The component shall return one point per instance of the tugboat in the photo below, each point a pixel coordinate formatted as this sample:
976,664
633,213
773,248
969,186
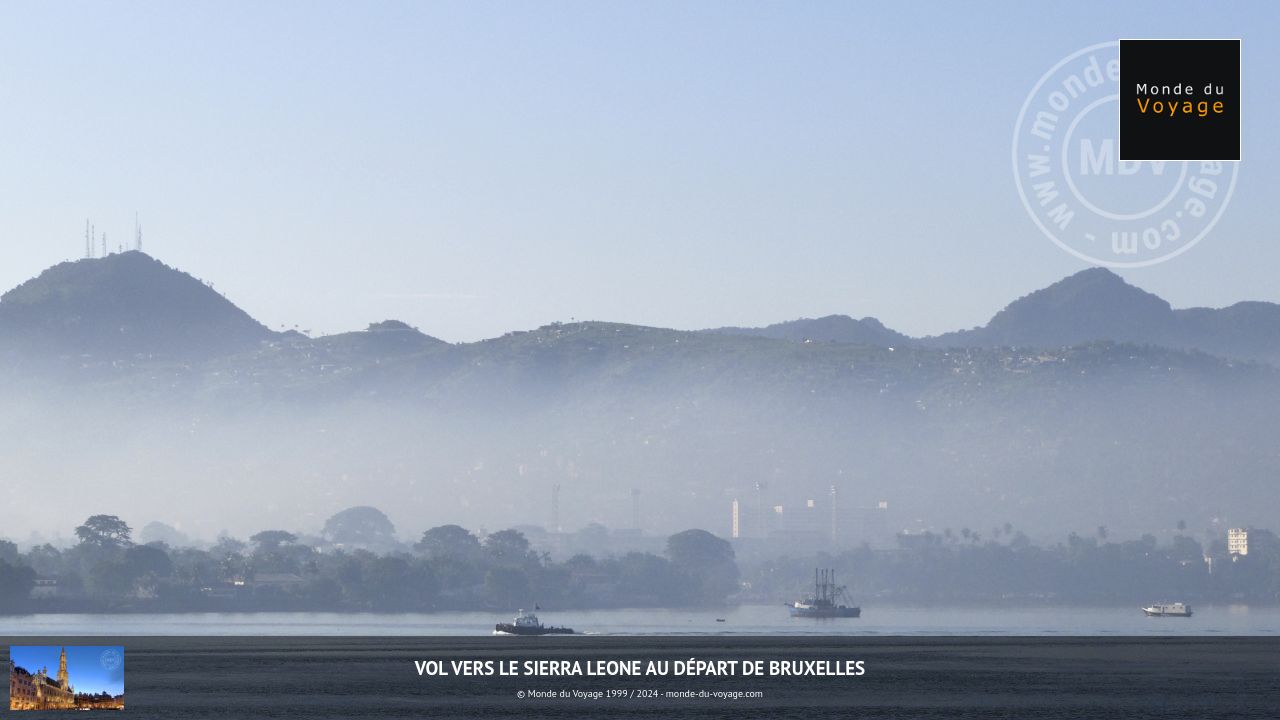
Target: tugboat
1168,610
526,623
825,600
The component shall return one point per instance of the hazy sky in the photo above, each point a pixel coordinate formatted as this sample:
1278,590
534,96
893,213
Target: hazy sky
473,168
86,669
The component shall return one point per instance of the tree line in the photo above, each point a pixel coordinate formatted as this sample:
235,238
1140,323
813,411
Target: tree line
357,564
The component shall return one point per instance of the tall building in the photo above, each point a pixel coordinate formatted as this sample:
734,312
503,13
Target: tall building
1238,541
63,680
38,691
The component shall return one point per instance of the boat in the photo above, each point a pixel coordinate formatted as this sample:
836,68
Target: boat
827,601
1167,610
526,623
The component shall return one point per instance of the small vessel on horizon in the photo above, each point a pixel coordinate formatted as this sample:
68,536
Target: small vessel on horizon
825,602
526,623
1167,610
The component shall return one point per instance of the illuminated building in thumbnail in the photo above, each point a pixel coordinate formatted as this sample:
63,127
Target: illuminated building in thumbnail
41,691
38,691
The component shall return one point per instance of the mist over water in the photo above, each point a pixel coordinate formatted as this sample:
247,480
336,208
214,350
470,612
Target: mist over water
636,426
886,453
748,620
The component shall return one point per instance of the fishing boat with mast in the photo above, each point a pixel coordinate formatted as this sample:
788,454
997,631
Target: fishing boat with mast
828,600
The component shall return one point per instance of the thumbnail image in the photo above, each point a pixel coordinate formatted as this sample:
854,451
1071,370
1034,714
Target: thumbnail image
88,677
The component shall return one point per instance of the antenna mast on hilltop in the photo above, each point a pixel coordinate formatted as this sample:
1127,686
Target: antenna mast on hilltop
88,240
137,233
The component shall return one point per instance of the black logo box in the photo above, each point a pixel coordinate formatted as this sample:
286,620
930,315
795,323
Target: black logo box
1185,67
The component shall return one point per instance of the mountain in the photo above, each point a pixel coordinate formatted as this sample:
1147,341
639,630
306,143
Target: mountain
1006,423
1249,330
832,328
479,434
1097,305
389,337
1094,305
1091,305
122,306
129,304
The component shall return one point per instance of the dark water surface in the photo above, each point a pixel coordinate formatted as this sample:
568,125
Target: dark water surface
941,677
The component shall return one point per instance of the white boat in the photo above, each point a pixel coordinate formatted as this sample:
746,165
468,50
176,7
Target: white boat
1168,610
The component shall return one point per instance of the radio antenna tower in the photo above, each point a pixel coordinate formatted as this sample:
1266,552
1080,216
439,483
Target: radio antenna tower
88,241
137,233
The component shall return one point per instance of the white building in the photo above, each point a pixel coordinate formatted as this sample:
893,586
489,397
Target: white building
1238,541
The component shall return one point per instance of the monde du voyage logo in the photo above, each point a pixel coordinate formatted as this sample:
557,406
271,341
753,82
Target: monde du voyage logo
1124,152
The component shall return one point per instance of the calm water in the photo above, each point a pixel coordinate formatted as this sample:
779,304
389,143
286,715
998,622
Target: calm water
744,620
